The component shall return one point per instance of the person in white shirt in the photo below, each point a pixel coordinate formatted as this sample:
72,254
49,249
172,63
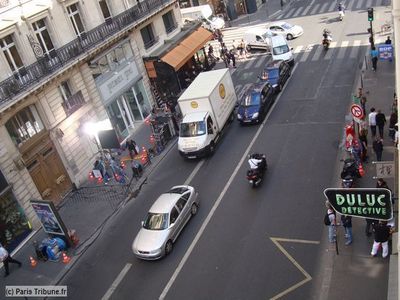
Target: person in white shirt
372,121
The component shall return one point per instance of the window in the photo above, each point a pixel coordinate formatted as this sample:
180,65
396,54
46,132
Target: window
210,125
73,13
10,51
148,36
24,125
169,22
71,102
105,10
182,202
65,90
173,216
43,36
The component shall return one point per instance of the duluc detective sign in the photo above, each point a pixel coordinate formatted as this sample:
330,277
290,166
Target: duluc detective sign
364,203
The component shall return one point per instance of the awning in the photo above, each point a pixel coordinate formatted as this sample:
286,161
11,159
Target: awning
178,56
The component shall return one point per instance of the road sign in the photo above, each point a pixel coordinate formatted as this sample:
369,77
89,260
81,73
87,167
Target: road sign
385,52
357,111
384,169
363,203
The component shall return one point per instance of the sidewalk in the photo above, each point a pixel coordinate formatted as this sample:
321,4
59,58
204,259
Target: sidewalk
99,201
354,269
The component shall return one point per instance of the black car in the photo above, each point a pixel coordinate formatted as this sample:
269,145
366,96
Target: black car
276,72
255,103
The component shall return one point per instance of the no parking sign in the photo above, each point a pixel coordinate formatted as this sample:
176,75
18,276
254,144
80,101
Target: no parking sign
357,112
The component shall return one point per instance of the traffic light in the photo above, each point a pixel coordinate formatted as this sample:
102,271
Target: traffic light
370,14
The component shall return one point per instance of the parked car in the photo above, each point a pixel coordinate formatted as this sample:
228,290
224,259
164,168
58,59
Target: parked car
255,103
288,30
164,222
276,72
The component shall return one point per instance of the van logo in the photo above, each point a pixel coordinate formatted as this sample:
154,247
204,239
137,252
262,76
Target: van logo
194,104
222,91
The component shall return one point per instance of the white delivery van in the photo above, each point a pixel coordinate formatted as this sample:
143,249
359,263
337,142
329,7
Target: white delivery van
258,38
280,49
206,105
205,14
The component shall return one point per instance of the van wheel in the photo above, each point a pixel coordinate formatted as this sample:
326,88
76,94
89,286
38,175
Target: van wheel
168,247
289,36
212,148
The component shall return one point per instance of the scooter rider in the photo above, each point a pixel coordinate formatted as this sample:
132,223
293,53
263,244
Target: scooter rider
341,8
256,162
327,35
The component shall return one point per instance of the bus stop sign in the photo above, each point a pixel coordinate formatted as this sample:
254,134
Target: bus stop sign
363,203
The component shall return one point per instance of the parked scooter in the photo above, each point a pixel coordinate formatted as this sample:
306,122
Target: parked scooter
350,172
258,165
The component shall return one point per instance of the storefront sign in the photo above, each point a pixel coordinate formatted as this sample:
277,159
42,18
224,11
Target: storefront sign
364,203
49,217
385,52
120,80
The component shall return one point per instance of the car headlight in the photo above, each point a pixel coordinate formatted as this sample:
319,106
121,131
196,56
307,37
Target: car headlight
255,115
239,116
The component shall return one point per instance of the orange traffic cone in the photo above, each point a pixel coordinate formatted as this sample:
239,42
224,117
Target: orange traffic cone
65,258
33,261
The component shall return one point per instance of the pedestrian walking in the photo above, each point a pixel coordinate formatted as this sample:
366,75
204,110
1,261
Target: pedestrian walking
380,120
232,58
377,145
374,58
364,145
381,238
392,124
372,121
6,258
132,148
347,225
137,169
363,102
382,184
330,222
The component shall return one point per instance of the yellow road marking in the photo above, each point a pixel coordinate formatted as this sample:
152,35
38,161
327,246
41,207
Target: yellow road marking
308,277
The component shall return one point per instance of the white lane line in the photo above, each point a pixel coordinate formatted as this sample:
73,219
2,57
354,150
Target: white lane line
116,282
359,3
330,51
194,172
317,53
369,3
287,15
216,204
342,50
297,12
306,53
316,7
298,49
306,10
332,7
260,61
322,10
355,48
349,5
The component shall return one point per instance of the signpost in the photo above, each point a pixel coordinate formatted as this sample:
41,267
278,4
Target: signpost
371,203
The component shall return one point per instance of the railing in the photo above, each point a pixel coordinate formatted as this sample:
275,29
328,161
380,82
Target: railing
171,28
32,74
73,103
150,43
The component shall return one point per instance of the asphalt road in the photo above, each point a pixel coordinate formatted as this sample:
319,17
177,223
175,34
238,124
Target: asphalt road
237,254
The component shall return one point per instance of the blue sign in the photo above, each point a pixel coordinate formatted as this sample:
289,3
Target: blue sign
385,52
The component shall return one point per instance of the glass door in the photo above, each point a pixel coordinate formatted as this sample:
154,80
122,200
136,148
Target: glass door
117,119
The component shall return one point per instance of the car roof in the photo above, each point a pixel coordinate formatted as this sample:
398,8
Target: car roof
164,203
279,23
274,64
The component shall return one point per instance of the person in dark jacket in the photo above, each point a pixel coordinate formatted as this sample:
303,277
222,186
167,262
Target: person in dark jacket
377,145
381,238
348,233
392,124
364,145
380,122
6,258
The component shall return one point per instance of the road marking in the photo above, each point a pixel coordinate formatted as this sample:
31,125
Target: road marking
350,5
330,51
314,9
308,277
355,48
287,15
342,50
317,53
306,53
218,201
298,49
260,61
297,12
307,9
117,281
332,7
194,172
322,10
359,4
369,3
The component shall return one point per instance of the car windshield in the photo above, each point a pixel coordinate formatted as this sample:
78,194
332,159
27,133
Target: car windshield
156,221
273,73
286,26
251,99
281,49
192,129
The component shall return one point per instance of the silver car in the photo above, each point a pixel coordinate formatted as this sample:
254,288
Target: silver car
165,220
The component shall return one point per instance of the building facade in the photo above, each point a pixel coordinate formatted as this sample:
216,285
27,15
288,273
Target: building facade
66,63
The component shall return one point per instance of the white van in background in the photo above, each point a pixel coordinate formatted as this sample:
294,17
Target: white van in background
280,49
258,38
203,13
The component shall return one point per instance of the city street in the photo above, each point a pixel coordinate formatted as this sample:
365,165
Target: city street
247,243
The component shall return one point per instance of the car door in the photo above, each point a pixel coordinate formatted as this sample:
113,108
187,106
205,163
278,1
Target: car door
174,223
184,206
267,92
259,42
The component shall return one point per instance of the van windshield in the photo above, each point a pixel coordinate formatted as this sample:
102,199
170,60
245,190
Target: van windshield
281,50
192,129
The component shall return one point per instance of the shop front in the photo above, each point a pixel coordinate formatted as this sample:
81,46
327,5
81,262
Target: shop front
172,68
124,96
14,226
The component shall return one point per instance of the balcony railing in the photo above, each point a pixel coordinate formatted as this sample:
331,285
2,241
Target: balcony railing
150,43
171,28
45,66
73,103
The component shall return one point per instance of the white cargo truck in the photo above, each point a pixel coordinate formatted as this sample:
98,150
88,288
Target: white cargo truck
206,105
203,13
